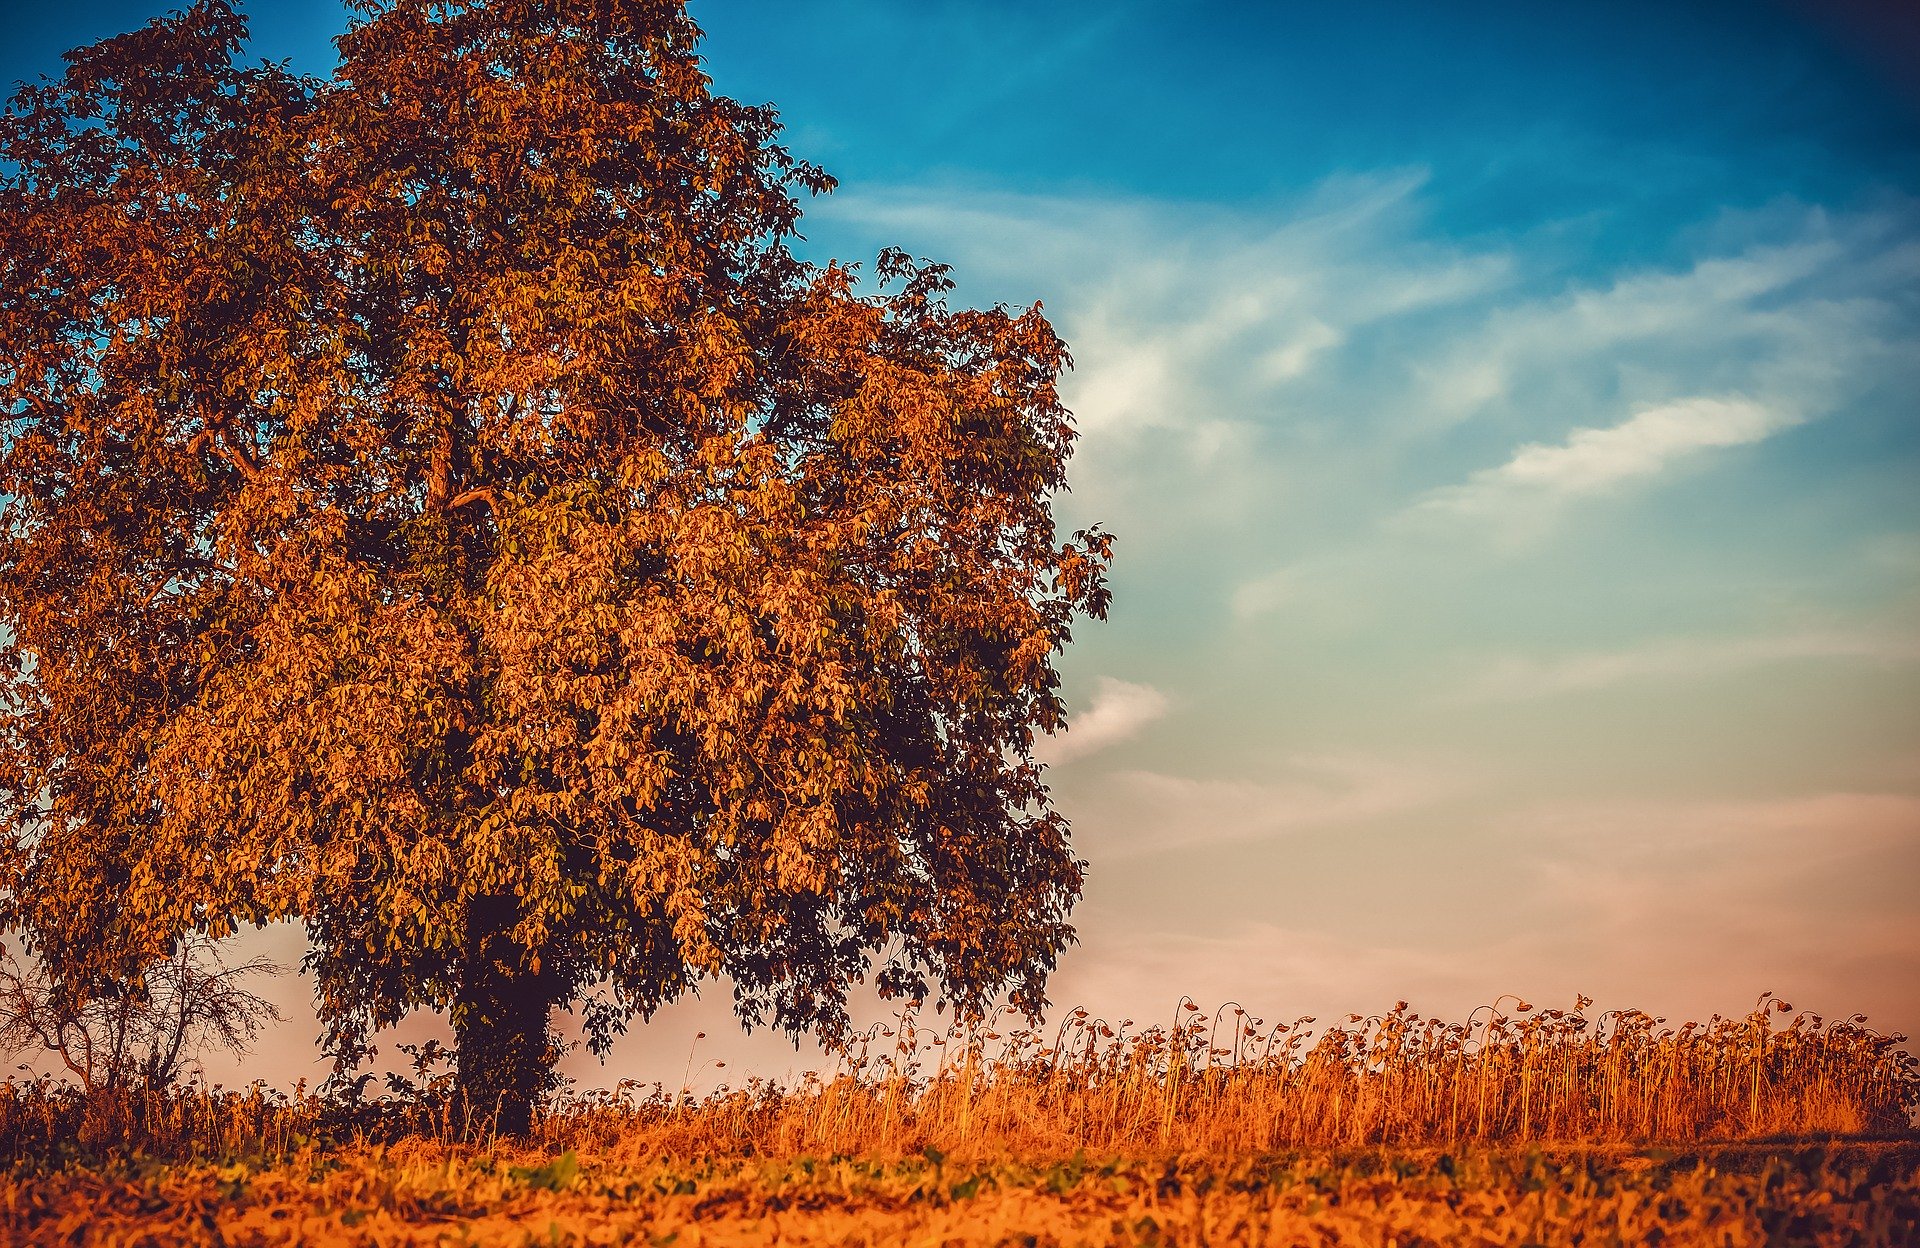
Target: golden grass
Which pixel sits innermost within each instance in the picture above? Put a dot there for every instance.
(1215, 1128)
(1222, 1084)
(1225, 1084)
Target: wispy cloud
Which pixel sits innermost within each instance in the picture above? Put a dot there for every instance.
(1017, 66)
(1501, 428)
(1276, 970)
(1683, 908)
(1290, 400)
(1266, 592)
(1808, 828)
(1181, 316)
(1775, 319)
(1802, 894)
(1149, 812)
(1592, 460)
(1520, 678)
(1119, 710)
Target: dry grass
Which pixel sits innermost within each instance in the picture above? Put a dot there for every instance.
(1226, 1084)
(1216, 1128)
(1223, 1084)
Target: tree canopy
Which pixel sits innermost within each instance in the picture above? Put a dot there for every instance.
(439, 507)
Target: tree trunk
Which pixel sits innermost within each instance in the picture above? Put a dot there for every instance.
(504, 1054)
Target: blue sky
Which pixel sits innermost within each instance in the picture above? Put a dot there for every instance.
(1508, 417)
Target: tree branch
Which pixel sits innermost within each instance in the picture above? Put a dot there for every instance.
(215, 435)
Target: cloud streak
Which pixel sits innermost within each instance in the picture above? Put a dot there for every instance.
(1593, 460)
(1683, 908)
(1520, 679)
(1141, 813)
(1118, 711)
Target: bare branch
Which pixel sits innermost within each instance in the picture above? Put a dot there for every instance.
(118, 1036)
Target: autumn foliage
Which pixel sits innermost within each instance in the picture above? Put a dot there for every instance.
(440, 508)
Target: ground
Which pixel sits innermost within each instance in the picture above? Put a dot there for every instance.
(426, 1193)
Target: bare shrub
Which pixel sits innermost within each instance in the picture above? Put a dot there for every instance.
(115, 1038)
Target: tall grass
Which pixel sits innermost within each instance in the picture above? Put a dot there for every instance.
(1222, 1083)
(1227, 1083)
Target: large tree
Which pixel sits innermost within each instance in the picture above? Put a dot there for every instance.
(440, 508)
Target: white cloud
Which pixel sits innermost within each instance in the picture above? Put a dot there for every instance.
(1294, 356)
(1517, 679)
(1148, 812)
(1813, 828)
(1729, 315)
(1267, 592)
(1592, 460)
(1118, 711)
(1182, 317)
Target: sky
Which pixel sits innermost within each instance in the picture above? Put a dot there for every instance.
(1508, 416)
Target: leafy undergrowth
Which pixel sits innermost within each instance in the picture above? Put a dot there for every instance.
(424, 1192)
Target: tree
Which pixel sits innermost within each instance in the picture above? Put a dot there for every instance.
(439, 507)
(135, 1036)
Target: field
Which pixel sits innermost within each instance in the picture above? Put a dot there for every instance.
(1514, 1127)
(422, 1193)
